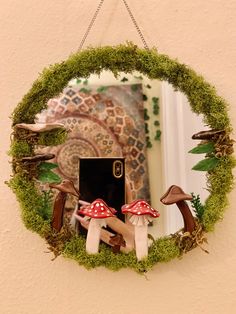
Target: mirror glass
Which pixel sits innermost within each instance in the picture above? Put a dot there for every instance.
(143, 121)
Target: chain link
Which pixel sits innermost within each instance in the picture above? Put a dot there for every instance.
(95, 17)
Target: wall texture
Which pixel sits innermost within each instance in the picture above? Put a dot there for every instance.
(35, 34)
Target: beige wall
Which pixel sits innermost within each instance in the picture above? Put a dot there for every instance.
(34, 34)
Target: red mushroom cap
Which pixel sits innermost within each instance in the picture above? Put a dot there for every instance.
(140, 207)
(97, 209)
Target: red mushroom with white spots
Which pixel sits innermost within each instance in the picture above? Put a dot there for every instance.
(140, 213)
(97, 211)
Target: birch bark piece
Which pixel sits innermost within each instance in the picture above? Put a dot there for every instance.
(126, 230)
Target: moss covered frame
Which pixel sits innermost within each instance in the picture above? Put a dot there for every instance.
(123, 58)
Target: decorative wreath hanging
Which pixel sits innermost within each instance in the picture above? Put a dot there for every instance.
(28, 167)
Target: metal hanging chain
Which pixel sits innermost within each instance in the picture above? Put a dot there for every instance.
(90, 24)
(136, 25)
(95, 17)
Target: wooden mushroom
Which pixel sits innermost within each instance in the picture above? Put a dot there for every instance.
(207, 135)
(39, 127)
(176, 195)
(65, 187)
(140, 213)
(97, 211)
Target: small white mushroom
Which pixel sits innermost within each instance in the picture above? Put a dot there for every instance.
(74, 216)
(140, 213)
(39, 127)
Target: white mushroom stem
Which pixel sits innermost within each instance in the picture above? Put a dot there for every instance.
(140, 234)
(93, 235)
(141, 241)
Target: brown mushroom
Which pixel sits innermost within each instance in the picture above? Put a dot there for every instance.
(176, 195)
(65, 187)
(117, 241)
(37, 158)
(39, 127)
(207, 135)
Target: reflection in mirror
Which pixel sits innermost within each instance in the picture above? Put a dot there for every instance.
(143, 121)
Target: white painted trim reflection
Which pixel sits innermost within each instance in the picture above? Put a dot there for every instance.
(172, 150)
(178, 125)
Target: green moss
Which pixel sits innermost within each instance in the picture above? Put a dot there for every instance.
(214, 210)
(162, 250)
(126, 58)
(20, 149)
(220, 182)
(31, 202)
(123, 58)
(52, 138)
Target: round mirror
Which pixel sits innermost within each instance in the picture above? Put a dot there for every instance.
(143, 127)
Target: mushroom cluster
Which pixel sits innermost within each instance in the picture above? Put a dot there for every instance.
(139, 214)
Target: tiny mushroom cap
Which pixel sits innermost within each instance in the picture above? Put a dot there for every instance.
(174, 195)
(97, 209)
(66, 186)
(140, 207)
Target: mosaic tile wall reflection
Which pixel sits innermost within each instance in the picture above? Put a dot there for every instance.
(106, 124)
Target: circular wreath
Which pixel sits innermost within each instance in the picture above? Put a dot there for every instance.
(123, 58)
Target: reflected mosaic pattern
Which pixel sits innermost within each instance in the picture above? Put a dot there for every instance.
(107, 124)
